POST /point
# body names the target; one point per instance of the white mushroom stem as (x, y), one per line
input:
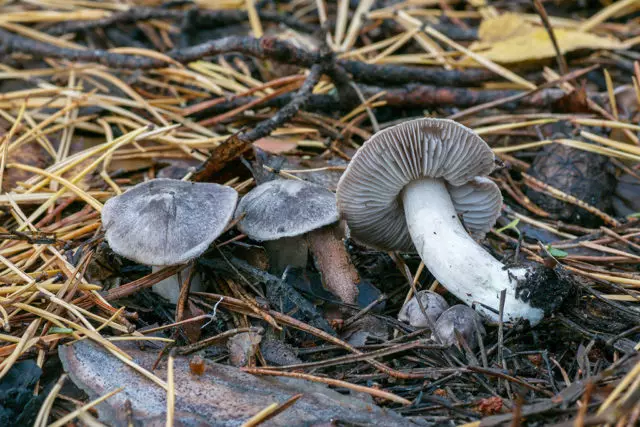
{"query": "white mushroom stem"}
(455, 259)
(169, 288)
(286, 252)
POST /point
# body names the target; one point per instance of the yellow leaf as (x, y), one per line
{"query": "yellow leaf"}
(505, 26)
(510, 39)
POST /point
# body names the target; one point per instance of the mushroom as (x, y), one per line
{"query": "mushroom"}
(459, 318)
(293, 216)
(405, 189)
(165, 222)
(434, 304)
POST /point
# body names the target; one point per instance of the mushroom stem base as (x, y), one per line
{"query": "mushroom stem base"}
(286, 252)
(333, 262)
(457, 261)
(169, 288)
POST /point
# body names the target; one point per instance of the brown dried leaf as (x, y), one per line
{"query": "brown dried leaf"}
(193, 330)
(276, 145)
(230, 149)
(574, 102)
(242, 347)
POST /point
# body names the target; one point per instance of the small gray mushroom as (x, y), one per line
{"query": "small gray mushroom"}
(462, 318)
(434, 305)
(292, 216)
(165, 222)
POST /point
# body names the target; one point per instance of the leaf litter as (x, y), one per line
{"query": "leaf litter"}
(96, 98)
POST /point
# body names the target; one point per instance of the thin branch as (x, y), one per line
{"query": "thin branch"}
(243, 141)
(562, 62)
(203, 18)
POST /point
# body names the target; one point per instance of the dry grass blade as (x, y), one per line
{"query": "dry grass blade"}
(373, 392)
(270, 412)
(20, 347)
(45, 409)
(171, 392)
(67, 418)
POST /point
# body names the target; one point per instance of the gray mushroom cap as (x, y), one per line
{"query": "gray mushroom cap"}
(434, 304)
(166, 221)
(369, 194)
(462, 318)
(285, 208)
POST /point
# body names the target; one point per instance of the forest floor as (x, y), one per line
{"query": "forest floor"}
(96, 97)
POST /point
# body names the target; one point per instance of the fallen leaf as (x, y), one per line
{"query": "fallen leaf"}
(222, 395)
(232, 148)
(359, 331)
(242, 347)
(511, 39)
(576, 101)
(276, 145)
(503, 27)
(193, 330)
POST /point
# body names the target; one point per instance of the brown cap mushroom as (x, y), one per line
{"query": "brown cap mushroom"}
(166, 221)
(407, 186)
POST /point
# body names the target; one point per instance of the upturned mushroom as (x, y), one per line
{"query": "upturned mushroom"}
(293, 216)
(406, 189)
(165, 222)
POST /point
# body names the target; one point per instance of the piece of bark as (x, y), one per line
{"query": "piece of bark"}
(221, 396)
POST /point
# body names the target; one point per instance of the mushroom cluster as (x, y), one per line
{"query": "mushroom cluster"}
(418, 186)
(407, 189)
